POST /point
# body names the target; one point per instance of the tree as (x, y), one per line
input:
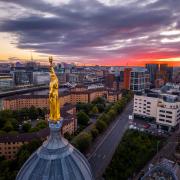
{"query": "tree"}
(94, 132)
(128, 156)
(94, 110)
(105, 117)
(8, 126)
(15, 124)
(35, 129)
(101, 125)
(4, 115)
(82, 141)
(13, 133)
(99, 100)
(26, 127)
(26, 150)
(82, 118)
(45, 111)
(41, 125)
(86, 107)
(33, 113)
(119, 106)
(2, 132)
(111, 113)
(100, 107)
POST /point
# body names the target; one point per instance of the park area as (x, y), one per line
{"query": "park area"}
(133, 153)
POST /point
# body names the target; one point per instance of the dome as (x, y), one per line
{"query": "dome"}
(56, 159)
(164, 170)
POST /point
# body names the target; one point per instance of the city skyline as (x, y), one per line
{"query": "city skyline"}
(102, 32)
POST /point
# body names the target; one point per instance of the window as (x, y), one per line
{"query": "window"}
(168, 121)
(148, 103)
(162, 111)
(161, 119)
(169, 112)
(169, 116)
(162, 115)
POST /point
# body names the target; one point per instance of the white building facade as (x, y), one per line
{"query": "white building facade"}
(164, 109)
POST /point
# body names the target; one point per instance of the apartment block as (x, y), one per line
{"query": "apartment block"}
(164, 108)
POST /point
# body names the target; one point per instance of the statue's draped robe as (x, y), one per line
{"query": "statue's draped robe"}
(54, 97)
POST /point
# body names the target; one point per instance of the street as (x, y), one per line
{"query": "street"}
(102, 155)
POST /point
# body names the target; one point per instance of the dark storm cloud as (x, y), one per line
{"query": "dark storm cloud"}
(80, 27)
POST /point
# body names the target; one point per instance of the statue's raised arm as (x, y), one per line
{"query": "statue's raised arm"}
(54, 104)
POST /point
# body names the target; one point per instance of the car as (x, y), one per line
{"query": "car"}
(146, 126)
(141, 129)
(131, 127)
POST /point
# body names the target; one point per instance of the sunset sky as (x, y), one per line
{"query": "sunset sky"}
(103, 32)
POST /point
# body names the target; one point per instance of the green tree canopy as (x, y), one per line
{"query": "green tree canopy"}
(26, 127)
(94, 132)
(8, 126)
(41, 125)
(86, 107)
(82, 141)
(82, 118)
(94, 110)
(99, 100)
(101, 125)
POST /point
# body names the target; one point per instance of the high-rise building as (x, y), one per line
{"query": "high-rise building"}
(152, 69)
(163, 68)
(176, 75)
(133, 78)
(127, 78)
(109, 79)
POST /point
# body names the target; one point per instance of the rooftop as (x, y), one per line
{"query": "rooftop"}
(165, 170)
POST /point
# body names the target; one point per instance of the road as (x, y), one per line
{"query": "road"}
(102, 155)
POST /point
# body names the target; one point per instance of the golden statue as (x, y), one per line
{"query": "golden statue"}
(54, 104)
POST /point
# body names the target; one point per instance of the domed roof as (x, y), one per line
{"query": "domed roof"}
(56, 159)
(163, 171)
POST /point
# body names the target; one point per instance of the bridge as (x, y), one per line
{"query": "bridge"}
(38, 88)
(23, 90)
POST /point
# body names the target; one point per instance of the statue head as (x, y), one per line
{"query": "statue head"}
(51, 60)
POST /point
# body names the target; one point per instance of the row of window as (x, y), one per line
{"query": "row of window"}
(162, 120)
(163, 111)
(162, 115)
